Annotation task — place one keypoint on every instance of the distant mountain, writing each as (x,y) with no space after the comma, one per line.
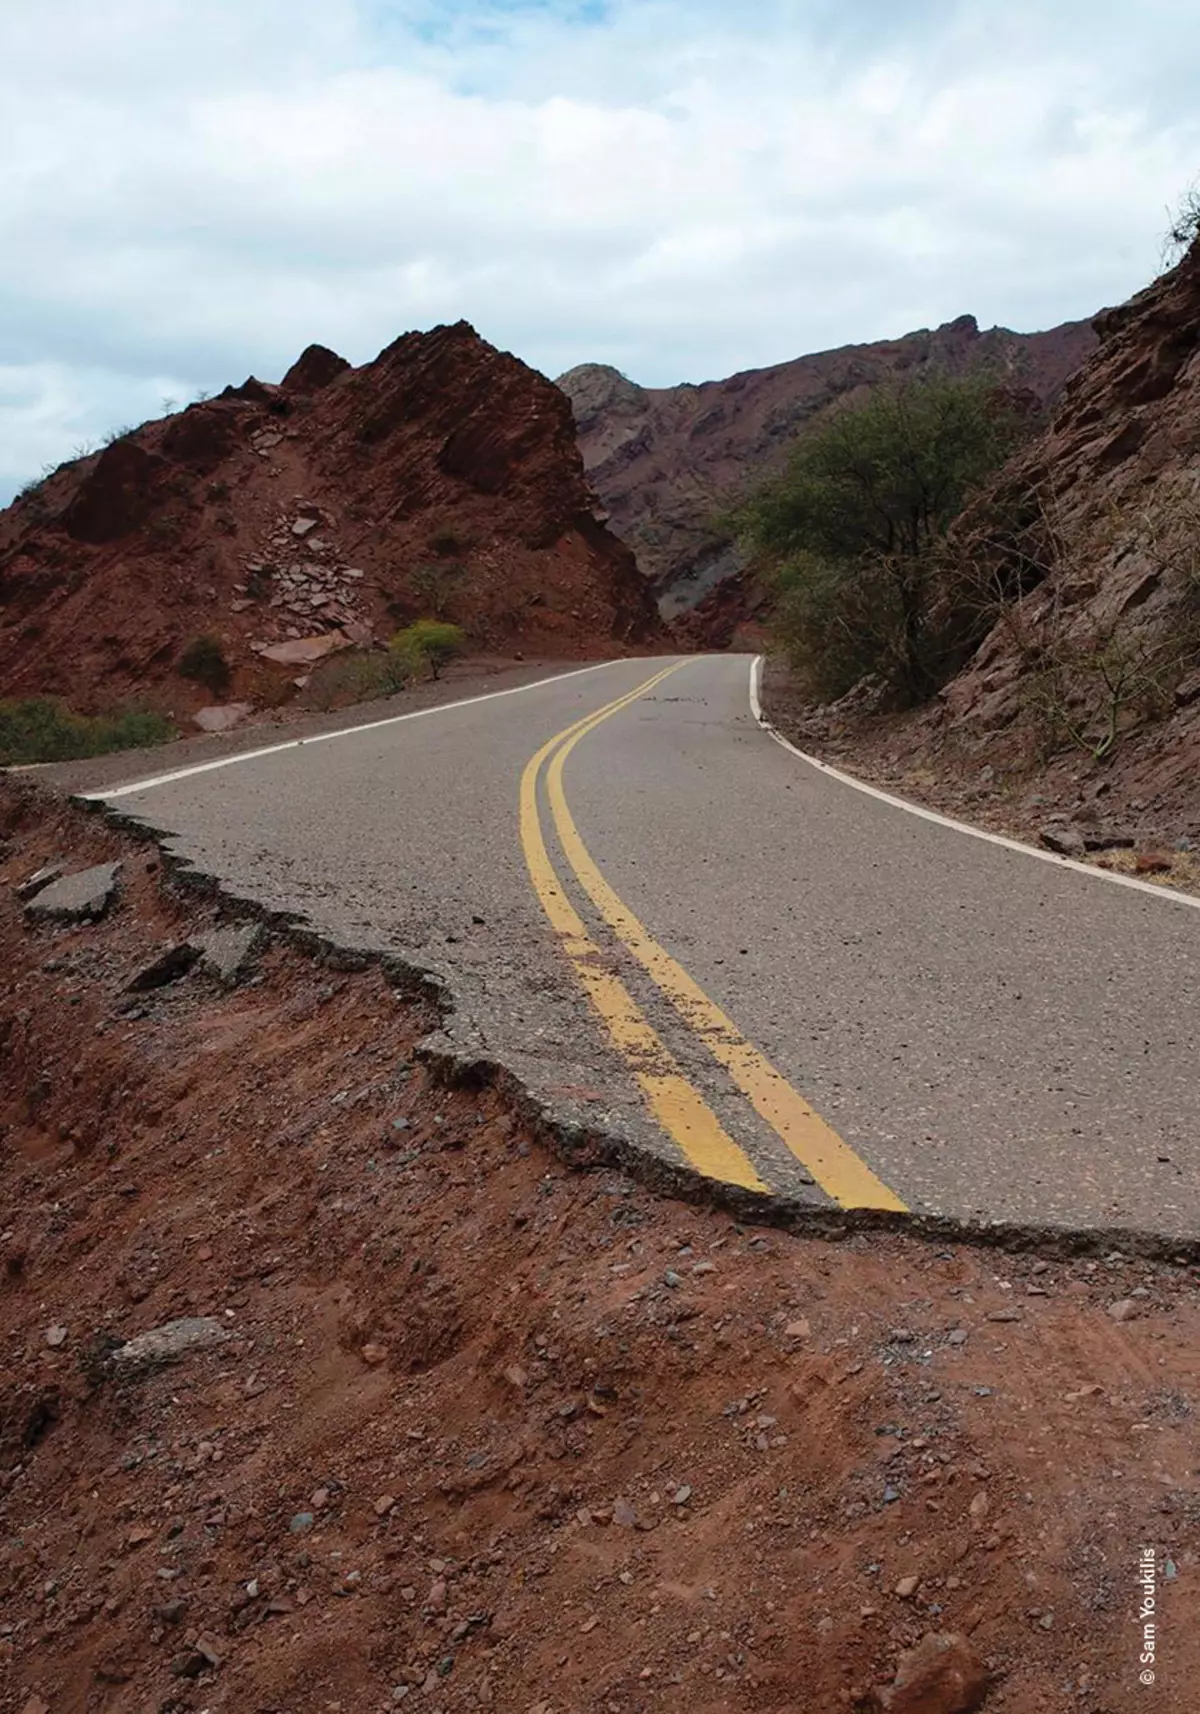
(664,460)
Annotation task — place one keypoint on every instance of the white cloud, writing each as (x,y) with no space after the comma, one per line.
(683,187)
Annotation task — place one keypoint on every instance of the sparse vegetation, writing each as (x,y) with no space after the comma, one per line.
(28,489)
(116,434)
(42,729)
(203,661)
(435,584)
(358,677)
(852,534)
(430,644)
(166,527)
(1184,229)
(448,542)
(1092,676)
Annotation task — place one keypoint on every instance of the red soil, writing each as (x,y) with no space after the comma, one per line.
(564,1446)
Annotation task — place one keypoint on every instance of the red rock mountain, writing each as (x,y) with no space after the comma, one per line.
(343,502)
(1107,504)
(665,460)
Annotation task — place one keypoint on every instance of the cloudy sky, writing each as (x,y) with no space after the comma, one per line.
(193,192)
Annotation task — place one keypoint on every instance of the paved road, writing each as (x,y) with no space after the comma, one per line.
(673,929)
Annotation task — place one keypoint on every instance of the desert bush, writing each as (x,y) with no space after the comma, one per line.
(1184,229)
(42,729)
(203,660)
(1091,675)
(429,643)
(347,678)
(851,535)
(434,584)
(448,542)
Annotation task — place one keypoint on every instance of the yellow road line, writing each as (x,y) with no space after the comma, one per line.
(677,1106)
(816,1145)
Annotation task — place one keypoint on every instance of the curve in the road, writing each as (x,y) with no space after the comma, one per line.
(919,1016)
(841,1173)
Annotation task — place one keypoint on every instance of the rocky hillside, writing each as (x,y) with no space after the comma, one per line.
(1083,703)
(1109,497)
(664,460)
(291,520)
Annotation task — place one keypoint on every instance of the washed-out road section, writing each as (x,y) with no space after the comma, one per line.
(799,987)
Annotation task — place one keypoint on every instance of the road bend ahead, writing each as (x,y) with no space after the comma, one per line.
(672,928)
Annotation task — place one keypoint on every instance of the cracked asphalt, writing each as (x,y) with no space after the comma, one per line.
(993,1037)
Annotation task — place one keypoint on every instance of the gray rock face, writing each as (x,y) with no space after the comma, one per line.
(166,1344)
(226,953)
(88,893)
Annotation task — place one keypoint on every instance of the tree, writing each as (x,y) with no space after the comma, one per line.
(851,532)
(429,643)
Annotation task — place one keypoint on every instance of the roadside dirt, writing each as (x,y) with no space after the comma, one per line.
(490,1431)
(476,675)
(1156,837)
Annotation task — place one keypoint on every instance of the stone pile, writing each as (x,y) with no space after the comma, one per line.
(310,588)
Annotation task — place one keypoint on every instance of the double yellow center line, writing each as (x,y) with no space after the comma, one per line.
(674,1101)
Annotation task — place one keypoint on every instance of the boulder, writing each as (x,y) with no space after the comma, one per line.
(1063,841)
(221,717)
(942,1675)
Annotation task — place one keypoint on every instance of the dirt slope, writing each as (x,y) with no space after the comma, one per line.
(1101,515)
(664,460)
(488,1430)
(443,476)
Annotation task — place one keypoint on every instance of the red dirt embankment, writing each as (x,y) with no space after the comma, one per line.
(488,1430)
(442,478)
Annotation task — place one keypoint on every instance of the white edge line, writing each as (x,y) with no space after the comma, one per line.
(1168,893)
(107,794)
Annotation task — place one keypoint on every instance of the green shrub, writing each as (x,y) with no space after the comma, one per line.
(41,729)
(204,661)
(852,533)
(429,643)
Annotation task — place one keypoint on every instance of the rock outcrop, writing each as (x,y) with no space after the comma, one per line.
(1101,515)
(441,478)
(1077,719)
(666,460)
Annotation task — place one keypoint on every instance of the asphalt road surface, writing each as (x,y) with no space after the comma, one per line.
(677,932)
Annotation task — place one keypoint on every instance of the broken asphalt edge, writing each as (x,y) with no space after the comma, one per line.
(586,1148)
